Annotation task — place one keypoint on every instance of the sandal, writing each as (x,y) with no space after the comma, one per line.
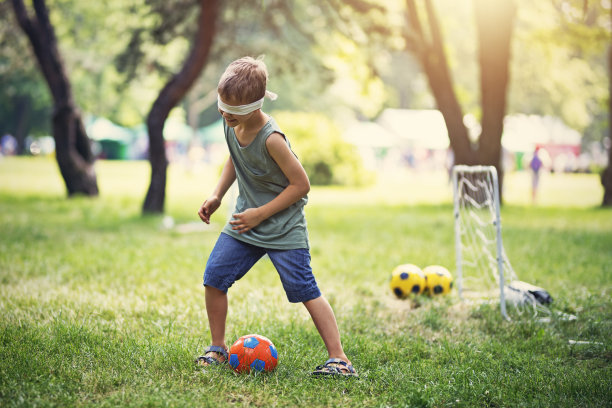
(336,367)
(206,360)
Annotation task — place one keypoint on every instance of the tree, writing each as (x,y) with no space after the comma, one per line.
(494,19)
(72,146)
(581,33)
(245,29)
(559,68)
(606,175)
(169,96)
(24,99)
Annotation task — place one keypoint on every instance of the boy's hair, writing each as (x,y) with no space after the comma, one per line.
(244,80)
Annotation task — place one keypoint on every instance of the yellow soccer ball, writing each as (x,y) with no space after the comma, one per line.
(439,280)
(407,279)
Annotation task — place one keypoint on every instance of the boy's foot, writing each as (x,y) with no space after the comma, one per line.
(336,367)
(213,355)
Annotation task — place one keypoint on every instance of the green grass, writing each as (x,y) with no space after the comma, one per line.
(103,307)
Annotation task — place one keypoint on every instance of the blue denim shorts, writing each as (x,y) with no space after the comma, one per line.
(231,259)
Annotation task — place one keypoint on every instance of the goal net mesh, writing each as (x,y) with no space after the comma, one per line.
(484,272)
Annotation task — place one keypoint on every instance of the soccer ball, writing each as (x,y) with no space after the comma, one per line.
(407,279)
(253,352)
(439,280)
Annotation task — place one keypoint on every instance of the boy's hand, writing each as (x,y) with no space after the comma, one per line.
(246,220)
(208,208)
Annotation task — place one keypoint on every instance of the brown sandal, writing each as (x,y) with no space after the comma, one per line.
(209,360)
(336,367)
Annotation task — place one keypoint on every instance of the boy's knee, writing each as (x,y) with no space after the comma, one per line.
(303,296)
(212,289)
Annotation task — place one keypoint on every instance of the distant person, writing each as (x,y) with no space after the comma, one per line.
(536,166)
(269,215)
(8,145)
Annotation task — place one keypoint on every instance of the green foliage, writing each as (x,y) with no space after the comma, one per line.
(326,158)
(90,35)
(103,307)
(559,63)
(321,54)
(272,29)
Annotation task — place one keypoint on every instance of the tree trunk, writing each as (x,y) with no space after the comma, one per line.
(169,96)
(430,52)
(72,146)
(495,21)
(22,112)
(606,175)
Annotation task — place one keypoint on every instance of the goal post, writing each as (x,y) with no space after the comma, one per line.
(477,187)
(483,270)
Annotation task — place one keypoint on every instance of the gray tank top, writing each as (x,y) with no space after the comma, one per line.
(260,180)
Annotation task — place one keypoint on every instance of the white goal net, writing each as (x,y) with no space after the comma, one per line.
(484,272)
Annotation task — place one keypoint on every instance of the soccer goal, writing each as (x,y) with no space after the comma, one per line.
(484,272)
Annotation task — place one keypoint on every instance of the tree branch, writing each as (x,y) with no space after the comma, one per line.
(22,16)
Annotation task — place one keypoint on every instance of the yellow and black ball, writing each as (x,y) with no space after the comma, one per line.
(439,280)
(407,279)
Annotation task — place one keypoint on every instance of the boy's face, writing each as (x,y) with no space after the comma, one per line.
(231,119)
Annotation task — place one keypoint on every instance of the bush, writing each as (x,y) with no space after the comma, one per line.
(327,159)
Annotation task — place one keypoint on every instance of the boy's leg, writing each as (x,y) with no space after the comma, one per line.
(325,322)
(229,261)
(294,269)
(216,309)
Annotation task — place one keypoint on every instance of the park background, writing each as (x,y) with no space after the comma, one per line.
(101,295)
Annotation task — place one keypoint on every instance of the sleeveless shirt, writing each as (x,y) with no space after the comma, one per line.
(260,180)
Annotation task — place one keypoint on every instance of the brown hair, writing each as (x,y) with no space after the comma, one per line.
(244,80)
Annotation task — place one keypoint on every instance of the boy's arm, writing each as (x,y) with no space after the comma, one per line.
(298,187)
(228,176)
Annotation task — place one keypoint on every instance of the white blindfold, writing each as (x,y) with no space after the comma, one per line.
(245,109)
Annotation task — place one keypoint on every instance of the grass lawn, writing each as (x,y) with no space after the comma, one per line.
(103,307)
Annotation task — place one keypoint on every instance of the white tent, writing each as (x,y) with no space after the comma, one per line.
(522,133)
(424,128)
(102,128)
(369,134)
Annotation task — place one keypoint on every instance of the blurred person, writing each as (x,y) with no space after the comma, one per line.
(8,145)
(536,166)
(269,215)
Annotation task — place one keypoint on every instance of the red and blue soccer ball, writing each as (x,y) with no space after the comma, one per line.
(253,352)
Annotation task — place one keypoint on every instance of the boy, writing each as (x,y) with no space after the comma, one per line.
(269,217)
